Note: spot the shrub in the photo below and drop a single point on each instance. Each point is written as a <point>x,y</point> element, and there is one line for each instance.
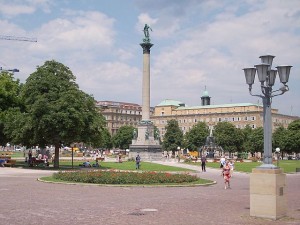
<point>117,177</point>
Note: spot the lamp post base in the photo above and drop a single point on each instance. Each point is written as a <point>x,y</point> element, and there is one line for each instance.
<point>268,193</point>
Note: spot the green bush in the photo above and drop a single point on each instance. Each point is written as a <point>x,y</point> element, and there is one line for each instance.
<point>117,177</point>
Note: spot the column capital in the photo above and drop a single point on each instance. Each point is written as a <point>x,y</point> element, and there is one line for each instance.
<point>146,47</point>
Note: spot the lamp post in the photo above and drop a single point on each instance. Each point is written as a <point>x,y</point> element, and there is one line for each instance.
<point>267,182</point>
<point>266,77</point>
<point>178,154</point>
<point>277,150</point>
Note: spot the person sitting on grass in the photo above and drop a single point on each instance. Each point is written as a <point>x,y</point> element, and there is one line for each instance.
<point>87,164</point>
<point>96,164</point>
<point>2,161</point>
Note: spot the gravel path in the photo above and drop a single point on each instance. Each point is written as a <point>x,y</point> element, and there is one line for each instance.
<point>26,201</point>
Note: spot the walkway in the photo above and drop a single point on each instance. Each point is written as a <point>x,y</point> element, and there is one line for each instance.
<point>28,202</point>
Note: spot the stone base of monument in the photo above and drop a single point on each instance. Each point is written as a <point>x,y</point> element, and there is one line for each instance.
<point>146,152</point>
<point>268,193</point>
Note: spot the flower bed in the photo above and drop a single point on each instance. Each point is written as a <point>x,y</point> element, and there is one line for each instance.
<point>117,177</point>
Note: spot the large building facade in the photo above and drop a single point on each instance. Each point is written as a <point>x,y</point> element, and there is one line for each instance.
<point>118,114</point>
<point>239,114</point>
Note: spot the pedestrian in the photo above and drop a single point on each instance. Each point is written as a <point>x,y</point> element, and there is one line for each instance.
<point>203,163</point>
<point>137,162</point>
<point>226,175</point>
<point>222,162</point>
<point>30,158</point>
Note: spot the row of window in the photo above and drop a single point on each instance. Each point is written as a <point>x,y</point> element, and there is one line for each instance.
<point>228,119</point>
<point>128,112</point>
<point>121,118</point>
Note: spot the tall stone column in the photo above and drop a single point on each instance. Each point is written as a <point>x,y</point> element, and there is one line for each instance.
<point>146,81</point>
<point>144,141</point>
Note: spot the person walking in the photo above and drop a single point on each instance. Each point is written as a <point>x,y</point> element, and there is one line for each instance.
<point>226,175</point>
<point>137,162</point>
<point>203,163</point>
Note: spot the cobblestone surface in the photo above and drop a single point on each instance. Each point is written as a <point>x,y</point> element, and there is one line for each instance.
<point>26,201</point>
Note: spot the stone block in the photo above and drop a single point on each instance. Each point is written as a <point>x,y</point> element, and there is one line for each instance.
<point>268,193</point>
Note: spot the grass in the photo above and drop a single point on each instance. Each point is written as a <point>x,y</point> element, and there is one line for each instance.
<point>145,166</point>
<point>288,166</point>
<point>13,154</point>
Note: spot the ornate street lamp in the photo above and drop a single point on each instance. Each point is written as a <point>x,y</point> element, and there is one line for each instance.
<point>266,77</point>
<point>277,150</point>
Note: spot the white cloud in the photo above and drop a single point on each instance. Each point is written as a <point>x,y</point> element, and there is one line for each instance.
<point>84,31</point>
<point>213,54</point>
<point>14,8</point>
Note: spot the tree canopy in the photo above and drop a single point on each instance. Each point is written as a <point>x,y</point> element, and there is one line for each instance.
<point>9,99</point>
<point>173,137</point>
<point>56,111</point>
<point>228,136</point>
<point>196,137</point>
<point>123,138</point>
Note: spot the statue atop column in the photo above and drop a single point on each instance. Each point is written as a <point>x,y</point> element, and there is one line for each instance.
<point>146,33</point>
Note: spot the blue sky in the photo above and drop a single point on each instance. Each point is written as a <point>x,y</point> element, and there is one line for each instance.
<point>196,44</point>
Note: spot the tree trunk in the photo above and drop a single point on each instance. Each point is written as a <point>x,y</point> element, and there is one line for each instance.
<point>56,156</point>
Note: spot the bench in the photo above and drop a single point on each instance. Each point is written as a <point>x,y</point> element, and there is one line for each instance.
<point>100,159</point>
<point>10,163</point>
<point>194,160</point>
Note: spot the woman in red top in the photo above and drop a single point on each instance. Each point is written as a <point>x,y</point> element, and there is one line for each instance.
<point>226,175</point>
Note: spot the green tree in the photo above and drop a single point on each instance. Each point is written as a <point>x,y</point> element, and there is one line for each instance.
<point>196,137</point>
<point>9,99</point>
<point>257,139</point>
<point>106,139</point>
<point>56,110</point>
<point>123,138</point>
<point>173,136</point>
<point>248,143</point>
<point>293,136</point>
<point>279,139</point>
<point>228,137</point>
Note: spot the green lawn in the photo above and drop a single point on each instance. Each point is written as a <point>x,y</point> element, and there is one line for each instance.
<point>145,166</point>
<point>13,154</point>
<point>288,166</point>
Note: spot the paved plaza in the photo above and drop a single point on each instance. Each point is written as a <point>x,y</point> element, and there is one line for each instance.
<point>26,201</point>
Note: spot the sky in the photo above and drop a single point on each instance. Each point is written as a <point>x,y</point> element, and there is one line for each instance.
<point>198,44</point>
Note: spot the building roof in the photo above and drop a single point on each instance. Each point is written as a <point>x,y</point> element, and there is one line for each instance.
<point>205,94</point>
<point>170,102</point>
<point>181,105</point>
<point>221,106</point>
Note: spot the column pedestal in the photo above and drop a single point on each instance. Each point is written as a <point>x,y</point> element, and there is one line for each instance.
<point>268,193</point>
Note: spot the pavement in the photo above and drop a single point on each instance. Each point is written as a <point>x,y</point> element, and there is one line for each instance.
<point>26,201</point>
